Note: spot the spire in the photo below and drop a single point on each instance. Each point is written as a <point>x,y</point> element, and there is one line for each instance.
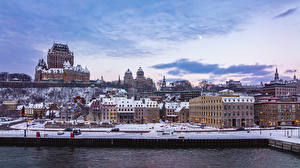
<point>164,82</point>
<point>276,74</point>
<point>119,81</point>
<point>295,78</point>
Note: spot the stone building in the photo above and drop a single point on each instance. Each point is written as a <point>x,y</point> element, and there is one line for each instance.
<point>226,110</point>
<point>60,66</point>
<point>139,84</point>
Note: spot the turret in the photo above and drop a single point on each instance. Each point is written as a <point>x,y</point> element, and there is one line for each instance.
<point>140,74</point>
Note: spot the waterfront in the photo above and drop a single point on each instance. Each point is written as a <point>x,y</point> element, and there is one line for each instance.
<point>124,157</point>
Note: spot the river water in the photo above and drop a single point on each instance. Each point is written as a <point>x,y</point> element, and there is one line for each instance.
<point>55,157</point>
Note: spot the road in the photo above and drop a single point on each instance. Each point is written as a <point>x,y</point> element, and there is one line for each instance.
<point>7,126</point>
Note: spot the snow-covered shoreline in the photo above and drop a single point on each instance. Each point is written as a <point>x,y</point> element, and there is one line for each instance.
<point>155,131</point>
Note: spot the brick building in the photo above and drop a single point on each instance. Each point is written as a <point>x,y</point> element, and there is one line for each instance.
<point>279,88</point>
<point>274,112</point>
<point>60,66</point>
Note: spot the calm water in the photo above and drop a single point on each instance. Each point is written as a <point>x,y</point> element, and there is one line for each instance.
<point>112,157</point>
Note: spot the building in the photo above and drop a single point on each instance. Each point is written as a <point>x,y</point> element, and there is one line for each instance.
<point>279,88</point>
<point>232,83</point>
<point>60,66</point>
<point>146,111</point>
<point>9,109</point>
<point>274,112</point>
<point>32,110</point>
<point>186,95</point>
<point>175,111</point>
<point>58,55</point>
<point>139,84</point>
<point>104,111</point>
<point>184,114</point>
<point>123,110</point>
<point>5,76</point>
<point>225,110</point>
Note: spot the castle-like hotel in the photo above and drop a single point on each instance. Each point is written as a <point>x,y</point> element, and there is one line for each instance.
<point>60,66</point>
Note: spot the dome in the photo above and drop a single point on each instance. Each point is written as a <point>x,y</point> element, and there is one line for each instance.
<point>128,71</point>
<point>140,69</point>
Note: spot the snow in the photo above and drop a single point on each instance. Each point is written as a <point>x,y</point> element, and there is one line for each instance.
<point>25,96</point>
<point>5,120</point>
<point>155,131</point>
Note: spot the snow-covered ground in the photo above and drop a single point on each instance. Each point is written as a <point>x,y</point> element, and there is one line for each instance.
<point>10,121</point>
<point>155,131</point>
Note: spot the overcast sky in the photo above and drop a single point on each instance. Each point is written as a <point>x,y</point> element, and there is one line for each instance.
<point>212,40</point>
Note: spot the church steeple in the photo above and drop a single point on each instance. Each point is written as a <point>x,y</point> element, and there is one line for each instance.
<point>276,75</point>
<point>164,82</point>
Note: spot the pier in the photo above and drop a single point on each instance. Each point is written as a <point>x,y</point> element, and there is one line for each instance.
<point>135,143</point>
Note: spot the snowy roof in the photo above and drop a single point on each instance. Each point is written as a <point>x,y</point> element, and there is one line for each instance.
<point>54,70</point>
<point>55,112</point>
<point>227,91</point>
<point>241,99</point>
<point>31,106</point>
<point>20,107</point>
<point>67,66</point>
<point>182,105</point>
<point>172,105</point>
<point>125,102</point>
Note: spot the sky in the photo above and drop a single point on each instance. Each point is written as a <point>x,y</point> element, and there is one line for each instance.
<point>196,40</point>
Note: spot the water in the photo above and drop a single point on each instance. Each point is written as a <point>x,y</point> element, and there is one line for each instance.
<point>121,157</point>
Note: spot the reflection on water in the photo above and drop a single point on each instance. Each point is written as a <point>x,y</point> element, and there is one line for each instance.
<point>122,157</point>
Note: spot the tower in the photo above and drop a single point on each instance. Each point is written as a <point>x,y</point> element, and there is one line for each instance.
<point>276,75</point>
<point>128,79</point>
<point>163,85</point>
<point>140,74</point>
<point>58,54</point>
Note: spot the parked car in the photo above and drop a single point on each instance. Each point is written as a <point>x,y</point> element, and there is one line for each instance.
<point>115,130</point>
<point>76,132</point>
<point>240,129</point>
<point>69,129</point>
<point>60,133</point>
<point>277,127</point>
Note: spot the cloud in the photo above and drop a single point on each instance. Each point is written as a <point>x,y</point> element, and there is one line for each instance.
<point>267,78</point>
<point>290,71</point>
<point>286,13</point>
<point>117,28</point>
<point>175,79</point>
<point>185,66</point>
